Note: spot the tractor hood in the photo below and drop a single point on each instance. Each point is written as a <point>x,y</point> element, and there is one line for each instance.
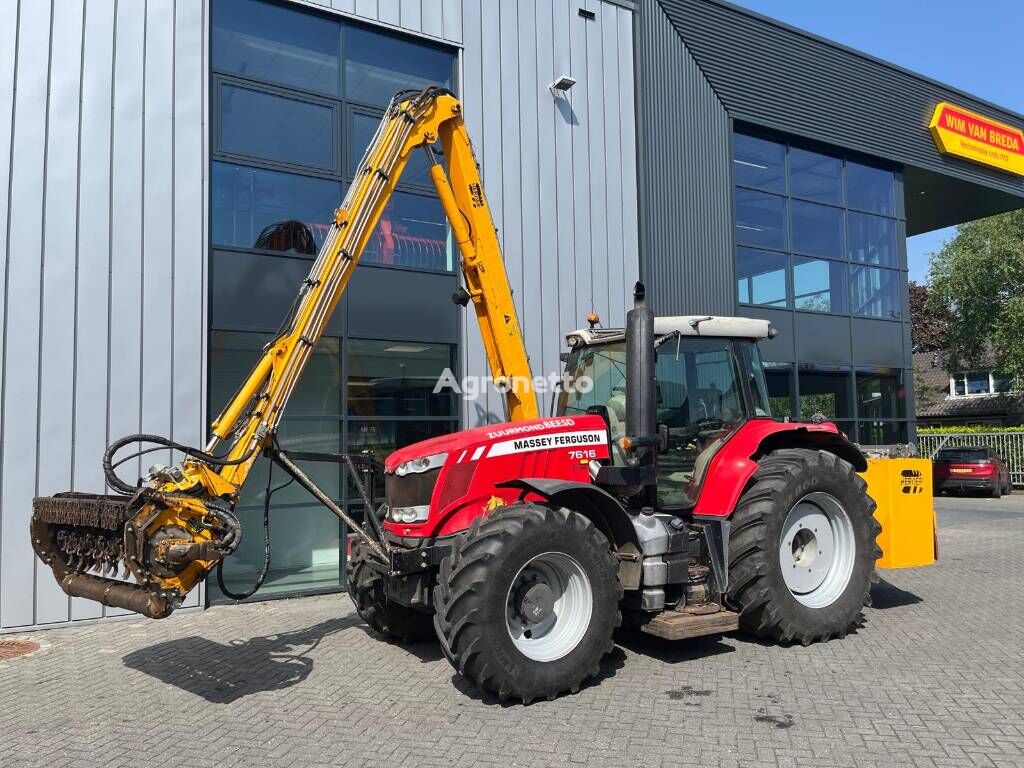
<point>479,437</point>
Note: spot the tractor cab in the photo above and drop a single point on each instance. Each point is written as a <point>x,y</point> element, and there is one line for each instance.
<point>708,382</point>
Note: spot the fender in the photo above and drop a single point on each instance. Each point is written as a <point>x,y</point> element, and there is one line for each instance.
<point>736,461</point>
<point>595,504</point>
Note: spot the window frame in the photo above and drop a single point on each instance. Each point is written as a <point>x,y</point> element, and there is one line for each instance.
<point>342,116</point>
<point>789,145</point>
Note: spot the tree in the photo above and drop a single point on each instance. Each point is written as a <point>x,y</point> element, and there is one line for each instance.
<point>978,279</point>
<point>928,325</point>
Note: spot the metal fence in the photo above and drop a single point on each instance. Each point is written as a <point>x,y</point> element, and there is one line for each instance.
<point>1009,445</point>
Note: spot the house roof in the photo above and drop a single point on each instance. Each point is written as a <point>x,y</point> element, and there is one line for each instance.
<point>929,371</point>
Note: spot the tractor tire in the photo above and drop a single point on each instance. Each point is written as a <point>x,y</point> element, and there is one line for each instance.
<point>802,548</point>
<point>368,592</point>
<point>527,601</point>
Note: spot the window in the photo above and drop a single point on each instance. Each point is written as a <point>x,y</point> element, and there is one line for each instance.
<point>289,96</point>
<point>980,383</point>
<point>271,210</point>
<point>266,41</point>
<point>824,230</point>
<point>412,232</point>
<point>378,65</point>
<point>870,189</point>
<point>819,285</point>
<point>761,277</point>
<point>273,127</point>
<point>872,239</point>
<point>875,292</point>
<point>825,390</point>
<point>779,379</point>
<point>759,163</point>
<point>760,219</point>
<point>398,379</point>
<point>817,229</point>
<point>880,394</point>
<point>815,176</point>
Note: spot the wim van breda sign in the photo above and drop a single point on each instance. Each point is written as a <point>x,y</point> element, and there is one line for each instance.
<point>960,132</point>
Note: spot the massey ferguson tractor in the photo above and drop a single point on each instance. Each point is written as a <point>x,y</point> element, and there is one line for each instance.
<point>661,494</point>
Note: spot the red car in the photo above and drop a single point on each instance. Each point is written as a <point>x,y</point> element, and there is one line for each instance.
<point>971,469</point>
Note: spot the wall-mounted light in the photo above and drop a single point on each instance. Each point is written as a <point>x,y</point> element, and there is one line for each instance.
<point>562,85</point>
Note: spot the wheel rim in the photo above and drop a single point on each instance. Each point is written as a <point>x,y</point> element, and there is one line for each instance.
<point>817,550</point>
<point>549,606</point>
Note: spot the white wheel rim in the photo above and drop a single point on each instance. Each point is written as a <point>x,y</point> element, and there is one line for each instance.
<point>562,628</point>
<point>817,550</point>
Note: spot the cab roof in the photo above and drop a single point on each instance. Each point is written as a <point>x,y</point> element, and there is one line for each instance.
<point>686,325</point>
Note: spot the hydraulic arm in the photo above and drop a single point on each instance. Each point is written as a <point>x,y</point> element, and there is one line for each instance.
<point>174,526</point>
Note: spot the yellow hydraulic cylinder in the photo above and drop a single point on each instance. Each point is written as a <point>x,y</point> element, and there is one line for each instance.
<point>902,489</point>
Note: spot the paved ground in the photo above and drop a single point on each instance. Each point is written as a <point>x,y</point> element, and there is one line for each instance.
<point>936,678</point>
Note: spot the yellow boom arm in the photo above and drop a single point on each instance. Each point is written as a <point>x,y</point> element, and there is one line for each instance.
<point>414,123</point>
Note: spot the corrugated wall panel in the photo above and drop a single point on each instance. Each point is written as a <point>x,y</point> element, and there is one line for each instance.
<point>107,201</point>
<point>23,286</point>
<point>94,222</point>
<point>684,165</point>
<point>57,312</point>
<point>559,172</point>
<point>780,77</point>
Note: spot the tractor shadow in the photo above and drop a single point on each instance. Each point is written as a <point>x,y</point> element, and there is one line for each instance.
<point>223,673</point>
<point>885,595</point>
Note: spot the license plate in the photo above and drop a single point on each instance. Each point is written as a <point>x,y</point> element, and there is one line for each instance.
<point>959,471</point>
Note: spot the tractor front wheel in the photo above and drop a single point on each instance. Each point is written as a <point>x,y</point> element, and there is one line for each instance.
<point>368,592</point>
<point>802,548</point>
<point>527,601</point>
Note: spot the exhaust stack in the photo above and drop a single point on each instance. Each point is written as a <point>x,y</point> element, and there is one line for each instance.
<point>641,417</point>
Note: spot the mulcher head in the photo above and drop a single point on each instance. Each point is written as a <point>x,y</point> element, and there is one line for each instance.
<point>87,538</point>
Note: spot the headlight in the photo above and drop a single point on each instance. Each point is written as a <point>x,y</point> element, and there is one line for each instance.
<point>417,514</point>
<point>424,464</point>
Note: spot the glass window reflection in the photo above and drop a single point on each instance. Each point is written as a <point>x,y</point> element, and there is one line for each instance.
<point>870,189</point>
<point>759,163</point>
<point>267,41</point>
<point>760,219</point>
<point>817,229</point>
<point>819,285</point>
<point>274,127</point>
<point>378,65</point>
<point>387,378</point>
<point>412,232</point>
<point>271,210</point>
<point>815,176</point>
<point>761,277</point>
<point>875,292</point>
<point>872,239</point>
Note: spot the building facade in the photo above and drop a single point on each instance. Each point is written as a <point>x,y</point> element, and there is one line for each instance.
<point>171,164</point>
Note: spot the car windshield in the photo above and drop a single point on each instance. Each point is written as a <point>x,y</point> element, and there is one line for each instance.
<point>699,401</point>
<point>962,454</point>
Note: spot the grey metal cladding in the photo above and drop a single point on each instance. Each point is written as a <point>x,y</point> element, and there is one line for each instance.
<point>684,184</point>
<point>776,76</point>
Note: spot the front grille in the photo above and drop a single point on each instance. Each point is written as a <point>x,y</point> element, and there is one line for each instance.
<point>412,490</point>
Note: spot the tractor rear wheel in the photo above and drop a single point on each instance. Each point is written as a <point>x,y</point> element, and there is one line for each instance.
<point>368,592</point>
<point>527,601</point>
<point>802,548</point>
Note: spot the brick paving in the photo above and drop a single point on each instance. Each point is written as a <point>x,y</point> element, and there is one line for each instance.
<point>936,678</point>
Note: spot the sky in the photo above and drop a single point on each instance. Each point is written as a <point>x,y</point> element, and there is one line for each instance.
<point>973,47</point>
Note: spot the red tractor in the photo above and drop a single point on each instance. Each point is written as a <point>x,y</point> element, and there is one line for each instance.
<point>682,509</point>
